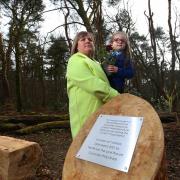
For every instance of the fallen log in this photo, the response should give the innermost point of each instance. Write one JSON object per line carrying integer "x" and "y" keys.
{"x": 5, "y": 127}
{"x": 169, "y": 117}
{"x": 33, "y": 119}
{"x": 148, "y": 162}
{"x": 43, "y": 126}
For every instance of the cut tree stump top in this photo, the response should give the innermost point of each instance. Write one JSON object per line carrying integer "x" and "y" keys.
{"x": 13, "y": 144}
{"x": 148, "y": 154}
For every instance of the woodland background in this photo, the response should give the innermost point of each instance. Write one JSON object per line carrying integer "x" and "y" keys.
{"x": 32, "y": 68}
{"x": 33, "y": 93}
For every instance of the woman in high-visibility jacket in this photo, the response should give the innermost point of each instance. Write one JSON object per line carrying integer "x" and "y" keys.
{"x": 87, "y": 85}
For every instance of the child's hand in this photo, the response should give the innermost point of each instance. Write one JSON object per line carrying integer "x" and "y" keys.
{"x": 112, "y": 69}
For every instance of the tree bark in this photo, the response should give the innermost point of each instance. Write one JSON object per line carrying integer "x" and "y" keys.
{"x": 33, "y": 119}
{"x": 18, "y": 74}
{"x": 5, "y": 82}
{"x": 173, "y": 60}
{"x": 39, "y": 127}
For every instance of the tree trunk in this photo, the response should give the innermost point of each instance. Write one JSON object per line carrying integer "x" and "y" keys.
{"x": 158, "y": 82}
{"x": 41, "y": 78}
{"x": 173, "y": 59}
{"x": 18, "y": 75}
{"x": 98, "y": 23}
{"x": 5, "y": 82}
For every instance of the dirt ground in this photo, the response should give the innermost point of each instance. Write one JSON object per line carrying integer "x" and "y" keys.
{"x": 172, "y": 141}
{"x": 56, "y": 142}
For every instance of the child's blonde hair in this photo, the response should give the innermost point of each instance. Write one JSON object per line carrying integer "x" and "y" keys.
{"x": 125, "y": 37}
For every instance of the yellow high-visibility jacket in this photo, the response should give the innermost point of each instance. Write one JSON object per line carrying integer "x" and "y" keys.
{"x": 87, "y": 87}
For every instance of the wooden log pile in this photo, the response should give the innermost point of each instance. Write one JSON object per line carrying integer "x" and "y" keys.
{"x": 25, "y": 124}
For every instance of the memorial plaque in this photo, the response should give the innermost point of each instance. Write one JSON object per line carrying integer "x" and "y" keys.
{"x": 111, "y": 141}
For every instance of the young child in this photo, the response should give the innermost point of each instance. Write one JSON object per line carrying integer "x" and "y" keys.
{"x": 119, "y": 67}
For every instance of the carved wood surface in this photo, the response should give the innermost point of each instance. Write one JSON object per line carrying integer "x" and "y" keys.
{"x": 148, "y": 154}
{"x": 19, "y": 158}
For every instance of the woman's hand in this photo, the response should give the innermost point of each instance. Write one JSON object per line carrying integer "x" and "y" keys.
{"x": 112, "y": 69}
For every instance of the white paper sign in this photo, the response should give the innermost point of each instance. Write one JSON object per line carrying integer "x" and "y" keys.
{"x": 111, "y": 141}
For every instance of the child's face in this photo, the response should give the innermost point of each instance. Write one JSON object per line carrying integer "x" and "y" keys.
{"x": 119, "y": 42}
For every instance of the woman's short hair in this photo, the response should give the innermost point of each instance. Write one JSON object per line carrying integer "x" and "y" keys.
{"x": 80, "y": 35}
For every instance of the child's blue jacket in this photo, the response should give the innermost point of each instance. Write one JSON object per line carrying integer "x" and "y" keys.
{"x": 125, "y": 71}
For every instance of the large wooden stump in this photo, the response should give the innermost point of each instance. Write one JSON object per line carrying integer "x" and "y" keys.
{"x": 148, "y": 162}
{"x": 19, "y": 159}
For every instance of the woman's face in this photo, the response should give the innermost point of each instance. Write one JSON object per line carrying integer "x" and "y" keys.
{"x": 85, "y": 45}
{"x": 119, "y": 42}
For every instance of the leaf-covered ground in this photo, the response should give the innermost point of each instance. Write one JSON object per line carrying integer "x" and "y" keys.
{"x": 172, "y": 140}
{"x": 56, "y": 142}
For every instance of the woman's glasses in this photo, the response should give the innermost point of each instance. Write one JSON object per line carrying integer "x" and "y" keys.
{"x": 119, "y": 40}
